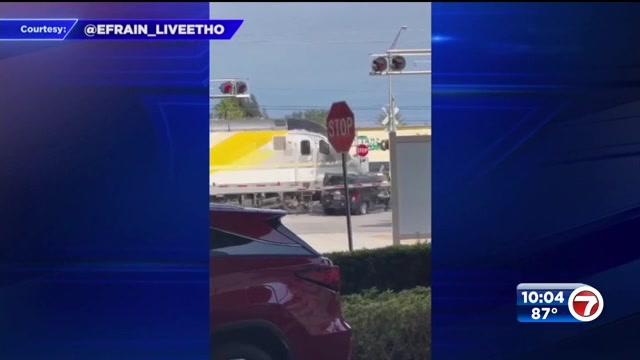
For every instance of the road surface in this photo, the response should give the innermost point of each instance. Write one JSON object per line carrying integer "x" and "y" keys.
{"x": 329, "y": 233}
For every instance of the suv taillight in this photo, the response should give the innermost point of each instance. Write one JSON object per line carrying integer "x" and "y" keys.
{"x": 323, "y": 275}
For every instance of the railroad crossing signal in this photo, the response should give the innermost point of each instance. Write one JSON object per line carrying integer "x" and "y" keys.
{"x": 394, "y": 62}
{"x": 398, "y": 63}
{"x": 341, "y": 127}
{"x": 226, "y": 88}
{"x": 385, "y": 121}
{"x": 379, "y": 64}
{"x": 229, "y": 88}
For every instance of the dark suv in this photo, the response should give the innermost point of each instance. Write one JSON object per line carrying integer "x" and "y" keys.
{"x": 366, "y": 192}
{"x": 273, "y": 297}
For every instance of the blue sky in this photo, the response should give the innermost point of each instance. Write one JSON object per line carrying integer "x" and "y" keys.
{"x": 308, "y": 55}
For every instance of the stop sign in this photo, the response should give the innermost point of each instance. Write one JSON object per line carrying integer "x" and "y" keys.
{"x": 341, "y": 126}
{"x": 362, "y": 150}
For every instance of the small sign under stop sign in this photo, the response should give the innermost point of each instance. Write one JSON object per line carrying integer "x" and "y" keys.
{"x": 362, "y": 150}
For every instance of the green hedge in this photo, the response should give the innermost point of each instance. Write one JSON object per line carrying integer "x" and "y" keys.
{"x": 390, "y": 326}
{"x": 390, "y": 268}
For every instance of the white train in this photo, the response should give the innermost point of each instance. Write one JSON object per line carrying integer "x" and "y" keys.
{"x": 284, "y": 159}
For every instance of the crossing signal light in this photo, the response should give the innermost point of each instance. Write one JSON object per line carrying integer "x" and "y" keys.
{"x": 384, "y": 145}
{"x": 398, "y": 63}
{"x": 233, "y": 88}
{"x": 241, "y": 87}
{"x": 379, "y": 65}
{"x": 226, "y": 88}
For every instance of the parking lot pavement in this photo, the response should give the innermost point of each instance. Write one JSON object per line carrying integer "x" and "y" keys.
{"x": 329, "y": 233}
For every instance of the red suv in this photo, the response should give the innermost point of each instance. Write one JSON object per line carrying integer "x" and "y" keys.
{"x": 273, "y": 297}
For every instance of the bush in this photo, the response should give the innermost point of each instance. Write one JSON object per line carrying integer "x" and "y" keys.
{"x": 390, "y": 268}
{"x": 390, "y": 326}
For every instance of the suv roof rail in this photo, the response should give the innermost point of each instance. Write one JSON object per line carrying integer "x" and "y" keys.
{"x": 216, "y": 206}
{"x": 224, "y": 206}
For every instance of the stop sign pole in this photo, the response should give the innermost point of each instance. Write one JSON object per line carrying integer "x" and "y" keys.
{"x": 341, "y": 131}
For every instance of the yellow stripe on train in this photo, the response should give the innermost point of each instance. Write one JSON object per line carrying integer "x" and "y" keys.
{"x": 242, "y": 148}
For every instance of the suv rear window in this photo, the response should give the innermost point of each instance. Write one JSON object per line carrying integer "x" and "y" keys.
{"x": 223, "y": 243}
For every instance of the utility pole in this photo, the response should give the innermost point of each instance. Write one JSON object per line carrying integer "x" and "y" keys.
{"x": 392, "y": 63}
{"x": 392, "y": 116}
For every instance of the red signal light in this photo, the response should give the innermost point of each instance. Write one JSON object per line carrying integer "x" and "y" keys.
{"x": 241, "y": 87}
{"x": 398, "y": 63}
{"x": 226, "y": 88}
{"x": 379, "y": 65}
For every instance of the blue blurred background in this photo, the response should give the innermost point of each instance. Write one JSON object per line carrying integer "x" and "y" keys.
{"x": 536, "y": 170}
{"x": 104, "y": 211}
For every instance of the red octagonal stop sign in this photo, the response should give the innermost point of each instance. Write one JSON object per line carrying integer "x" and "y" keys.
{"x": 362, "y": 150}
{"x": 341, "y": 126}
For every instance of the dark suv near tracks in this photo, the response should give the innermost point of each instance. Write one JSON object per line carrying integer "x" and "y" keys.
{"x": 366, "y": 193}
{"x": 273, "y": 297}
